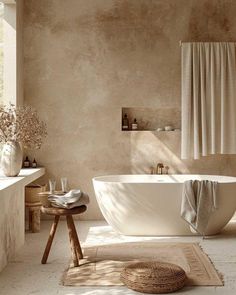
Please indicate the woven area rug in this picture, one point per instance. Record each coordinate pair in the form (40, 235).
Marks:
(102, 265)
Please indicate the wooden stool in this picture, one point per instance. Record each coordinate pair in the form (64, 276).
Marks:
(74, 241)
(34, 216)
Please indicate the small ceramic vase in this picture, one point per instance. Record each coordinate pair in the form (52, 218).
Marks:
(12, 157)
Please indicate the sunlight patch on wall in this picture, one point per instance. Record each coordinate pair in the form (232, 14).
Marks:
(1, 51)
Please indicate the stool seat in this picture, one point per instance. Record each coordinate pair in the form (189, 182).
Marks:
(76, 250)
(63, 212)
(35, 204)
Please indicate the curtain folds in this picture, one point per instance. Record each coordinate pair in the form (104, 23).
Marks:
(208, 99)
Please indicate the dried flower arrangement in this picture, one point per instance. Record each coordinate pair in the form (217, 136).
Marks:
(21, 124)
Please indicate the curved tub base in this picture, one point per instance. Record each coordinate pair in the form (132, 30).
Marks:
(149, 205)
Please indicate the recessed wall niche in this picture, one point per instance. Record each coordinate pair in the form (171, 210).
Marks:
(152, 119)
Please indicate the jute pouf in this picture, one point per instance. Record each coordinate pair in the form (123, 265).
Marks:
(153, 277)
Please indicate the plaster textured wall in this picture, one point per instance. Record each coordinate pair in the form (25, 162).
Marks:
(12, 226)
(86, 59)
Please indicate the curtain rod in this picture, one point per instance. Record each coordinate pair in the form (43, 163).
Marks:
(180, 42)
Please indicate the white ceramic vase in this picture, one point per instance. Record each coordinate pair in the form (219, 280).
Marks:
(11, 160)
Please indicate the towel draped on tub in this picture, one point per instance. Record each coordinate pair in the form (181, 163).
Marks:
(199, 200)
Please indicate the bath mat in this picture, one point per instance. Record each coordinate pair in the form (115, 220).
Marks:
(102, 265)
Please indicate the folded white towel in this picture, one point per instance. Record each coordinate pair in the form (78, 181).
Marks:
(70, 197)
(73, 198)
(199, 200)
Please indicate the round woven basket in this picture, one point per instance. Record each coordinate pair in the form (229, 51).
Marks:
(31, 192)
(153, 277)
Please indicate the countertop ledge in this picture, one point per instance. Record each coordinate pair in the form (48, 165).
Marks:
(25, 177)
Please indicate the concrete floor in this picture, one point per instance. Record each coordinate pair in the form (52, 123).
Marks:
(25, 275)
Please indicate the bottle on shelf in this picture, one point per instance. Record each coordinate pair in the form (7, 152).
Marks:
(125, 123)
(135, 124)
(34, 164)
(26, 163)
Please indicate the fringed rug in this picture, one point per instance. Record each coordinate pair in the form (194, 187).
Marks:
(102, 265)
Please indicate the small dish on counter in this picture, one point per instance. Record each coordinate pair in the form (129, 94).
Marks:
(160, 129)
(169, 128)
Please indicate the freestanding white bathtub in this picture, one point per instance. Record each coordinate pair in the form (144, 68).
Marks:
(149, 205)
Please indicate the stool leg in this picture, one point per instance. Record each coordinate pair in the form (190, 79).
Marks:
(30, 219)
(36, 220)
(72, 241)
(50, 239)
(76, 239)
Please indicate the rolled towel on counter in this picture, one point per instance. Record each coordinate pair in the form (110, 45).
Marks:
(73, 198)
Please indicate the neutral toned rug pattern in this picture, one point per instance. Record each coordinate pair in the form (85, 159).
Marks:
(102, 265)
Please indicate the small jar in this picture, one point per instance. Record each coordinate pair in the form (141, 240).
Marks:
(135, 125)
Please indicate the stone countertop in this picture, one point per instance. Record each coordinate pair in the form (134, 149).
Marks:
(25, 177)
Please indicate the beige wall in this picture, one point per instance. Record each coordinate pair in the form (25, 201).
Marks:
(86, 59)
(13, 52)
(9, 53)
(20, 52)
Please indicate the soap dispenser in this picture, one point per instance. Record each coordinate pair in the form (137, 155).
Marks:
(34, 164)
(125, 123)
(26, 163)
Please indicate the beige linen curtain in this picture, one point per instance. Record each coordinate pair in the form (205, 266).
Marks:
(208, 99)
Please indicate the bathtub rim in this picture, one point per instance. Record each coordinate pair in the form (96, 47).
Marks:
(110, 178)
